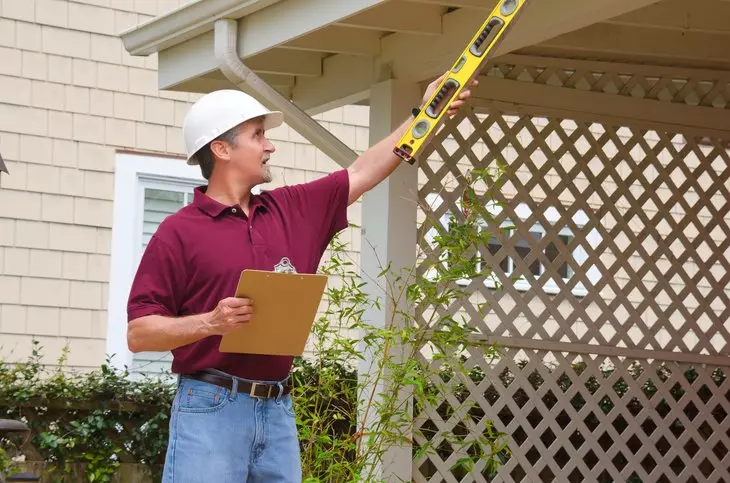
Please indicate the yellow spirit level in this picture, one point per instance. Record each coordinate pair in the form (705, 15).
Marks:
(461, 75)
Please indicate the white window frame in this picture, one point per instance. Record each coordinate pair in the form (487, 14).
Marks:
(134, 172)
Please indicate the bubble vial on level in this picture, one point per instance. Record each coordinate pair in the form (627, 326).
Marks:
(509, 7)
(420, 129)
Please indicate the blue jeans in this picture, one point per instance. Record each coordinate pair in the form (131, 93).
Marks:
(223, 436)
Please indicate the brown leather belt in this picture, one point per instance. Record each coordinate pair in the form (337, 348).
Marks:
(253, 389)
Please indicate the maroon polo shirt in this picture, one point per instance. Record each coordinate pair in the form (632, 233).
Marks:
(195, 259)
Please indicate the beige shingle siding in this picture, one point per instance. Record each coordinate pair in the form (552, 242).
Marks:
(70, 96)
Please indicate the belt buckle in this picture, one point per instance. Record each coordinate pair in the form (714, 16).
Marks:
(253, 390)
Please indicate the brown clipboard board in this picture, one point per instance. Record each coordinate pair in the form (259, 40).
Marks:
(284, 308)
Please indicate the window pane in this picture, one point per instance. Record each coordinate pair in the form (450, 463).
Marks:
(552, 251)
(158, 205)
(565, 271)
(494, 246)
(151, 363)
(188, 197)
(523, 249)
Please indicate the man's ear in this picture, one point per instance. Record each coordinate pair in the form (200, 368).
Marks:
(220, 150)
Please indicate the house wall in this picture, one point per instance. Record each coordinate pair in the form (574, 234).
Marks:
(71, 98)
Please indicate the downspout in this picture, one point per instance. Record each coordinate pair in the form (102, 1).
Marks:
(226, 37)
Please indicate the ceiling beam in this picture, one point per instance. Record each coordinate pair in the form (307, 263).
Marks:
(203, 85)
(400, 17)
(287, 62)
(418, 58)
(345, 79)
(291, 19)
(487, 5)
(709, 16)
(195, 58)
(278, 80)
(635, 43)
(274, 80)
(283, 90)
(186, 61)
(338, 40)
(543, 20)
(543, 99)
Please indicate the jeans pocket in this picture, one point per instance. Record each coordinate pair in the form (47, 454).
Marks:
(287, 404)
(200, 397)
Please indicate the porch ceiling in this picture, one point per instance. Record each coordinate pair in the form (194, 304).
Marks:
(324, 53)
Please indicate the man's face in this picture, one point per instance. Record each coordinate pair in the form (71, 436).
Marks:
(249, 158)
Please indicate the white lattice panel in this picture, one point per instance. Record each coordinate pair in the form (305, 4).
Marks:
(609, 240)
(619, 238)
(710, 89)
(575, 418)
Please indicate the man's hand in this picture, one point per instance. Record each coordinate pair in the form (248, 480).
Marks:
(457, 103)
(378, 162)
(230, 314)
(156, 333)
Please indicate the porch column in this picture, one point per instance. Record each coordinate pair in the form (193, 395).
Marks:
(389, 234)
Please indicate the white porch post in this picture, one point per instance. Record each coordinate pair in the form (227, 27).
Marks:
(389, 233)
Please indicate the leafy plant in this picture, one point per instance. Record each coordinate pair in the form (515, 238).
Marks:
(85, 424)
(391, 372)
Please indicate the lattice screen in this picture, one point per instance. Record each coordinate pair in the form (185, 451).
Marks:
(618, 246)
(668, 84)
(593, 418)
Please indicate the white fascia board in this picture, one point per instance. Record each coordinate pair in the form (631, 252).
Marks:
(185, 23)
(263, 24)
(286, 20)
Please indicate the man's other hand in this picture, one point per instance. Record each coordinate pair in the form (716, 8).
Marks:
(230, 314)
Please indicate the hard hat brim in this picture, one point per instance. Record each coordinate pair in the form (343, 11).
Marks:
(272, 119)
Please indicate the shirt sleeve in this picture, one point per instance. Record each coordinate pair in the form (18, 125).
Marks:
(322, 204)
(158, 286)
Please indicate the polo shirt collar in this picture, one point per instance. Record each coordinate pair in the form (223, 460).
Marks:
(214, 208)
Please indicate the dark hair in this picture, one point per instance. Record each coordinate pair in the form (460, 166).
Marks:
(205, 155)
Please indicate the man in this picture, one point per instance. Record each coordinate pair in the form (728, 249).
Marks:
(232, 418)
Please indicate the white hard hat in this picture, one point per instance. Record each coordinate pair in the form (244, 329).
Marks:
(217, 112)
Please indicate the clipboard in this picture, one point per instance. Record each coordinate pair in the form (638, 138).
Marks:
(284, 309)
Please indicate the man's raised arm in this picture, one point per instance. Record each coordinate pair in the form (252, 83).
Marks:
(378, 162)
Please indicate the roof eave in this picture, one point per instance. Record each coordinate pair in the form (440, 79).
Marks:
(185, 23)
